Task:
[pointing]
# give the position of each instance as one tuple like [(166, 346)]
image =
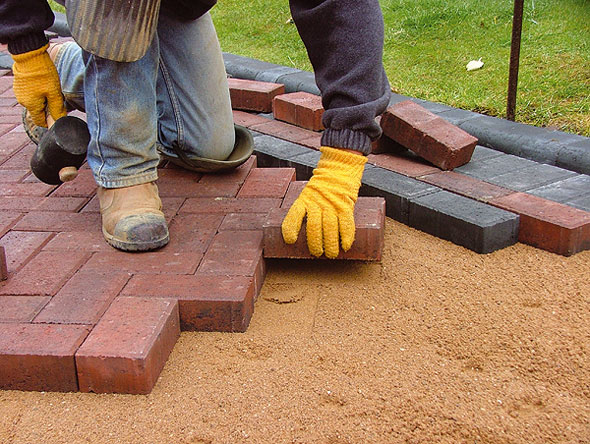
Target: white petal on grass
[(474, 64)]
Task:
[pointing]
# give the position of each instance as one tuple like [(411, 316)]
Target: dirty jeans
[(176, 95)]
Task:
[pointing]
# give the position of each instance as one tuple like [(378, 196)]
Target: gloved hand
[(36, 85), (328, 200)]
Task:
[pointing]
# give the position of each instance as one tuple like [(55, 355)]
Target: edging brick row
[(542, 145), (408, 190), (399, 191)]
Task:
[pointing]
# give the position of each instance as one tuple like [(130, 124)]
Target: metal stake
[(514, 59)]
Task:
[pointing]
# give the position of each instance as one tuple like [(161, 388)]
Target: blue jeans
[(175, 96)]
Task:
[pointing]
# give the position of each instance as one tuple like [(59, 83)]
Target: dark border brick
[(474, 225), (531, 177), (564, 190), (397, 190)]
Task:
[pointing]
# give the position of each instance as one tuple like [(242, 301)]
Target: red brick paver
[(548, 225), (267, 182), (286, 131), (39, 356), (206, 303), (465, 185), (251, 95), (428, 135), (408, 166), (299, 108), (45, 274), (369, 238), (21, 309), (83, 299), (128, 348)]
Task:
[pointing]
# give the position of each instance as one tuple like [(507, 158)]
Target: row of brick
[(405, 181), (512, 183), (411, 125), (491, 166), (406, 124)]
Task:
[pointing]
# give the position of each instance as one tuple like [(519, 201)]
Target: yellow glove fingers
[(37, 86), (292, 223), (37, 111), (347, 229), (55, 106), (331, 238), (315, 241)]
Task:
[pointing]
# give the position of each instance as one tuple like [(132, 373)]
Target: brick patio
[(76, 314)]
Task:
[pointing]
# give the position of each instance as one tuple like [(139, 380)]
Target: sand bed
[(436, 344)]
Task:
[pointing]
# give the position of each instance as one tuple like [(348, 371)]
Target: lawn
[(429, 42)]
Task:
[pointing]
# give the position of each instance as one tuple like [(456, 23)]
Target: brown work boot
[(132, 218)]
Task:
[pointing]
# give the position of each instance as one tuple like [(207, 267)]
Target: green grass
[(56, 6), (429, 42)]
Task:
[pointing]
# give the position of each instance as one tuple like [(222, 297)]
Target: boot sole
[(34, 132), (134, 246)]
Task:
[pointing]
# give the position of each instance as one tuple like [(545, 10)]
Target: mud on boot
[(132, 218)]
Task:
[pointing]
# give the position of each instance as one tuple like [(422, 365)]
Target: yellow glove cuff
[(342, 162), (26, 59)]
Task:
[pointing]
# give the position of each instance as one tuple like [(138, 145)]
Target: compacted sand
[(436, 344)]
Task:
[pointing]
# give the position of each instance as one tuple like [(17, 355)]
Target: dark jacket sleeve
[(344, 41), (22, 24), (187, 9)]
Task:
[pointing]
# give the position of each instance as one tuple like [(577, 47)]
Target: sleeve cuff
[(27, 43), (345, 138)]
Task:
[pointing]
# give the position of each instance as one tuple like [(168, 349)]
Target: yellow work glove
[(328, 200), (36, 85)]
